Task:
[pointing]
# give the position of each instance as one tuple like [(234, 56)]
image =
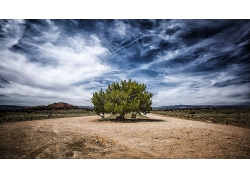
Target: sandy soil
[(154, 137)]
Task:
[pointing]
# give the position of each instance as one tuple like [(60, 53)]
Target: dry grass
[(235, 117), (16, 116)]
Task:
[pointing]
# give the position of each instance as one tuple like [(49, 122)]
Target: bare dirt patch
[(152, 137)]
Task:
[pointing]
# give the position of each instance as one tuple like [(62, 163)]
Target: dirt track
[(155, 137)]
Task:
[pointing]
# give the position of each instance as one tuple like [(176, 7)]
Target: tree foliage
[(98, 100), (122, 98)]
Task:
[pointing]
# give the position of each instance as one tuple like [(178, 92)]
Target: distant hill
[(200, 107), (54, 106)]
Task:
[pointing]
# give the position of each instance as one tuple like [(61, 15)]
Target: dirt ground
[(155, 137)]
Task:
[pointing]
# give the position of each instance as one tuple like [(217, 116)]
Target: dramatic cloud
[(180, 61)]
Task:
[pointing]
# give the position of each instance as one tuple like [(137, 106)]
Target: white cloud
[(76, 60), (13, 31), (120, 28), (52, 34), (200, 90), (201, 96), (53, 62), (170, 55)]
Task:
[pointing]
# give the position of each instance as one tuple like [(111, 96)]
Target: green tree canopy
[(98, 100), (122, 98)]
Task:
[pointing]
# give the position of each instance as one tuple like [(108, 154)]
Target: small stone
[(155, 137), (96, 141), (188, 131), (228, 138), (109, 141)]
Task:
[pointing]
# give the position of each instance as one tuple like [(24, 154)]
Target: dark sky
[(194, 62)]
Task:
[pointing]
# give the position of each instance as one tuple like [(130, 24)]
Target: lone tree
[(122, 98)]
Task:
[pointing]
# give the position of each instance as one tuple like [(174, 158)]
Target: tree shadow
[(130, 120)]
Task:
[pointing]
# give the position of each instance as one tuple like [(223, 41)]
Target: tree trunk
[(133, 115), (122, 116)]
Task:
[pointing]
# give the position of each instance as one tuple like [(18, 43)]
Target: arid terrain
[(152, 137)]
